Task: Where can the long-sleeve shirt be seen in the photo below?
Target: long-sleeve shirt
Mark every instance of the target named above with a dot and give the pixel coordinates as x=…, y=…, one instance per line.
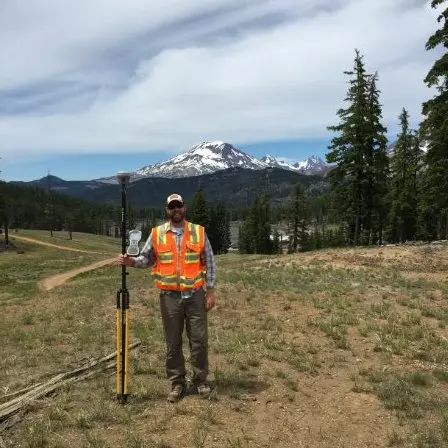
x=147, y=256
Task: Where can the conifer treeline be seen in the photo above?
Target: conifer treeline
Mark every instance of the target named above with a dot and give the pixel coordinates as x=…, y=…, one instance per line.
x=433, y=206
x=403, y=196
x=214, y=217
x=374, y=197
x=35, y=208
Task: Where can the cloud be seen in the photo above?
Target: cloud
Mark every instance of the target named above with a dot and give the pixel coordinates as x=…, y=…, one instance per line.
x=101, y=76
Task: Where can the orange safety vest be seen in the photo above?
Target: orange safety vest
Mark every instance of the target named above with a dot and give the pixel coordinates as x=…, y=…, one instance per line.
x=174, y=270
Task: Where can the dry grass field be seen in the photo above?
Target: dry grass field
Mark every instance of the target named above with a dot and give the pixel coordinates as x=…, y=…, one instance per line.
x=335, y=348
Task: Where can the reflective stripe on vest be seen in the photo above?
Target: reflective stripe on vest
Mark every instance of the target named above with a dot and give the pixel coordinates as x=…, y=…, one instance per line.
x=166, y=272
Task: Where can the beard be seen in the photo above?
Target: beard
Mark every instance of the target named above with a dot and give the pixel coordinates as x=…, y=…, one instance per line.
x=177, y=216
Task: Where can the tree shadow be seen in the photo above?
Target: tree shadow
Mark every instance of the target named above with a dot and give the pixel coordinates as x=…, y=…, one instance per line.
x=10, y=247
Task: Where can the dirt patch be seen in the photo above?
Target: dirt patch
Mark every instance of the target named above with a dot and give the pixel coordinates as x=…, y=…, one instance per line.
x=56, y=280
x=419, y=263
x=43, y=243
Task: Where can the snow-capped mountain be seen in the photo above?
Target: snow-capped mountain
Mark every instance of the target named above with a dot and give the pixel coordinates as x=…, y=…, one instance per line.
x=313, y=165
x=205, y=158
x=277, y=162
x=209, y=157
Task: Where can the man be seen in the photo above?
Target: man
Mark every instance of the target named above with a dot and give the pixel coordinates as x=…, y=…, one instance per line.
x=183, y=267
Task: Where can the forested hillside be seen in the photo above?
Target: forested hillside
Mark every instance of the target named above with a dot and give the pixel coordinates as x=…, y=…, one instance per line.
x=234, y=186
x=35, y=208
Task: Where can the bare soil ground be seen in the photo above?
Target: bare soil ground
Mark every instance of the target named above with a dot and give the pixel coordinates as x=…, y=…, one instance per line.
x=336, y=348
x=58, y=246
x=59, y=279
x=420, y=262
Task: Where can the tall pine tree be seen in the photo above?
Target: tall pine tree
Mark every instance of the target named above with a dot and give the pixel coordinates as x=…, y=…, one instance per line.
x=255, y=233
x=377, y=166
x=248, y=232
x=223, y=221
x=405, y=165
x=198, y=211
x=264, y=243
x=4, y=217
x=434, y=205
x=347, y=149
x=359, y=150
x=298, y=218
x=218, y=230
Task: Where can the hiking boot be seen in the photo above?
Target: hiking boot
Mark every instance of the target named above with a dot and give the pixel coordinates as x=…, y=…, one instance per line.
x=177, y=391
x=203, y=390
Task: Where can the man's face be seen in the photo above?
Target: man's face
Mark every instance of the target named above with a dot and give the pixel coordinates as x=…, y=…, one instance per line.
x=176, y=211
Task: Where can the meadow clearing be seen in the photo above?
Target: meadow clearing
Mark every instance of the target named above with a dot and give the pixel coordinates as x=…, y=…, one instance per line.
x=333, y=348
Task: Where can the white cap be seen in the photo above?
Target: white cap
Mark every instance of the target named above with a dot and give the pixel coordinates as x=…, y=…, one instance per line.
x=174, y=197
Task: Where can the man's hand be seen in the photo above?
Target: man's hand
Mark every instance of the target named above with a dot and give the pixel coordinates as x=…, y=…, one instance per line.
x=125, y=260
x=209, y=299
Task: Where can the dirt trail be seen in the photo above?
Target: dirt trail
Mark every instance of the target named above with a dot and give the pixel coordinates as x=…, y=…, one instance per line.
x=56, y=280
x=43, y=243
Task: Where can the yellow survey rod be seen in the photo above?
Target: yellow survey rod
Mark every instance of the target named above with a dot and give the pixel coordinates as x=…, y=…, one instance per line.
x=122, y=330
x=122, y=324
x=118, y=351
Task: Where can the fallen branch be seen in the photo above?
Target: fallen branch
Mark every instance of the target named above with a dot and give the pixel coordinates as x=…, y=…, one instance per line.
x=18, y=392
x=29, y=394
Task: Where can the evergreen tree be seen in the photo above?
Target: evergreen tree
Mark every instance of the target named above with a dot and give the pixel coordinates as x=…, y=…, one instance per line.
x=263, y=240
x=241, y=239
x=298, y=218
x=276, y=245
x=69, y=224
x=4, y=217
x=434, y=205
x=359, y=150
x=227, y=237
x=223, y=228
x=212, y=229
x=347, y=149
x=250, y=229
x=304, y=238
x=131, y=219
x=294, y=217
x=36, y=208
x=49, y=212
x=255, y=235
x=405, y=164
x=218, y=230
x=198, y=212
x=377, y=167
x=315, y=239
x=146, y=230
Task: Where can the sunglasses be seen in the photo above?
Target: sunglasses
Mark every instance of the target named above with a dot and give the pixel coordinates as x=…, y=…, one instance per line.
x=174, y=205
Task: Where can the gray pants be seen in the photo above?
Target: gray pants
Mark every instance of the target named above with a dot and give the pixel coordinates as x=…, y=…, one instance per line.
x=175, y=311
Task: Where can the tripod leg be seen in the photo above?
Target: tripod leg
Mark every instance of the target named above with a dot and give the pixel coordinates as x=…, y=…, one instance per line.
x=123, y=354
x=123, y=346
x=126, y=354
x=119, y=346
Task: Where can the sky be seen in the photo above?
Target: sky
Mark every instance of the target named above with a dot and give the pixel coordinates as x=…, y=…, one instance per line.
x=92, y=87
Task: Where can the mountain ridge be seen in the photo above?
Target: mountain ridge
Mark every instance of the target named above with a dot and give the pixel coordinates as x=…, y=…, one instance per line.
x=235, y=186
x=211, y=156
